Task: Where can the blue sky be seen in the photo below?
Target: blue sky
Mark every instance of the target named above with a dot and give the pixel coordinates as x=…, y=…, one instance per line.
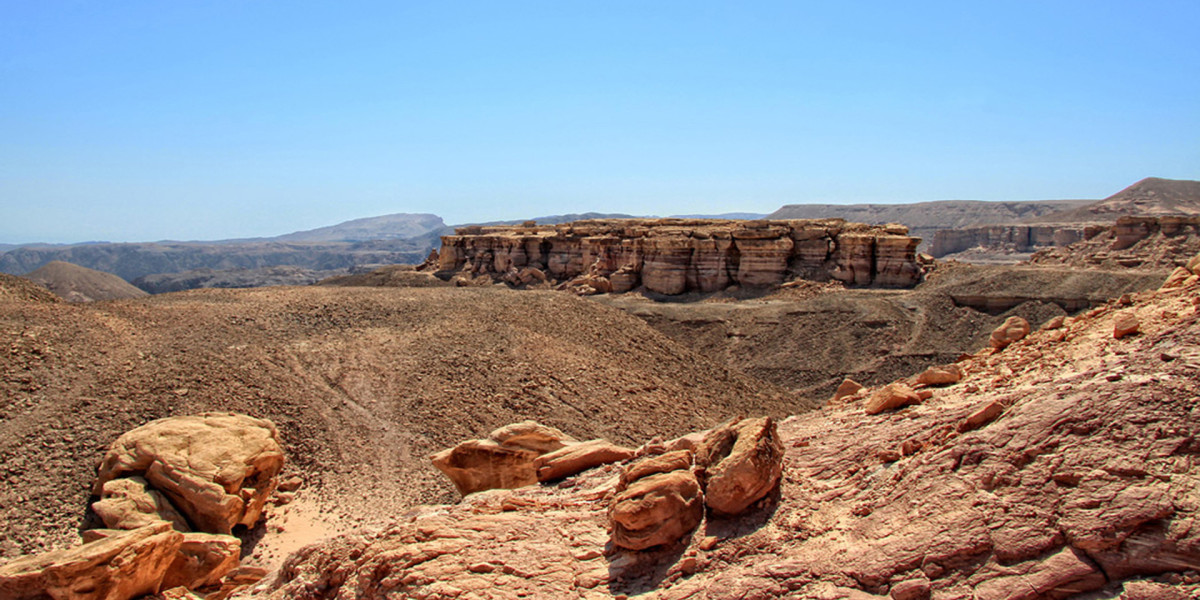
x=134, y=121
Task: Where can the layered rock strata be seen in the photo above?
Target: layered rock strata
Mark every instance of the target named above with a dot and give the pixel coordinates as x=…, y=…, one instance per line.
x=673, y=256
x=1012, y=238
x=1131, y=242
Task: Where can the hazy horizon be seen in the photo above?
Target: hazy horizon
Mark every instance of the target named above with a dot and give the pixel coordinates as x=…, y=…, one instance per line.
x=147, y=121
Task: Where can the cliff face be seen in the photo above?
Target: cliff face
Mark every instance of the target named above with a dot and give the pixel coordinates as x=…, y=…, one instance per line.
x=673, y=256
x=1017, y=238
x=1132, y=242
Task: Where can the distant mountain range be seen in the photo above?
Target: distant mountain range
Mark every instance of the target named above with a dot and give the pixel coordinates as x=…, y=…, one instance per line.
x=402, y=238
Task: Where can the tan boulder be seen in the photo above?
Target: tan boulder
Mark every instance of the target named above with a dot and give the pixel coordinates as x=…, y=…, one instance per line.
x=1124, y=324
x=890, y=397
x=1013, y=329
x=656, y=503
x=848, y=387
x=943, y=375
x=128, y=503
x=739, y=463
x=504, y=460
x=1054, y=323
x=478, y=465
x=203, y=559
x=216, y=468
x=531, y=435
x=123, y=565
x=1176, y=278
x=575, y=458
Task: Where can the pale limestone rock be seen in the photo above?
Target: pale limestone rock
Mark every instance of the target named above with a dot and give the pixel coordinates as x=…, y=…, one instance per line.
x=216, y=468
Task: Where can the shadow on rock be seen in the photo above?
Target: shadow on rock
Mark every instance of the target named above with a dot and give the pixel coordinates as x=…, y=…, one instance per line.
x=633, y=572
x=730, y=527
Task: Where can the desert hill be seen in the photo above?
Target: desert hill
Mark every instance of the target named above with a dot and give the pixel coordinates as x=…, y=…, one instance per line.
x=385, y=227
x=1150, y=197
x=1062, y=466
x=363, y=383
x=74, y=283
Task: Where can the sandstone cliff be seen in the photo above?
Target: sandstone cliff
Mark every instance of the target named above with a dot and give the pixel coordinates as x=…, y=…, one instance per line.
x=1013, y=238
x=1132, y=242
x=673, y=256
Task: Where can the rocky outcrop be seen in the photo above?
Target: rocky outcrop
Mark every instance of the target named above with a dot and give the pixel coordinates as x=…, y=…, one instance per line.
x=1010, y=238
x=217, y=469
x=124, y=565
x=1062, y=466
x=522, y=454
x=1143, y=242
x=673, y=256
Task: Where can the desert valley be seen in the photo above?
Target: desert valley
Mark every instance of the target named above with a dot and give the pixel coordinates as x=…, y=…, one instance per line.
x=993, y=400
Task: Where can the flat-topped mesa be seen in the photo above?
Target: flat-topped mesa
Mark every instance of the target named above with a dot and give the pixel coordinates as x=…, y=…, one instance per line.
x=673, y=256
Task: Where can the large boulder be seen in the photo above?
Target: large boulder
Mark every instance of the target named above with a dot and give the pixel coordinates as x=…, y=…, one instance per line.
x=1013, y=329
x=503, y=461
x=123, y=565
x=217, y=468
x=576, y=458
x=739, y=463
x=658, y=501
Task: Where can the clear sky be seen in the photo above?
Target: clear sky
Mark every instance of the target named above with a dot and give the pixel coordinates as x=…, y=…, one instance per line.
x=135, y=121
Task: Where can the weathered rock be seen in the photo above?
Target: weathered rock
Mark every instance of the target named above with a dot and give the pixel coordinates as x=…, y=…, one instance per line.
x=575, y=458
x=128, y=503
x=943, y=375
x=739, y=463
x=1013, y=329
x=655, y=507
x=477, y=465
x=203, y=559
x=503, y=461
x=216, y=468
x=848, y=387
x=1054, y=323
x=673, y=256
x=1176, y=278
x=891, y=396
x=531, y=435
x=984, y=415
x=123, y=565
x=1126, y=323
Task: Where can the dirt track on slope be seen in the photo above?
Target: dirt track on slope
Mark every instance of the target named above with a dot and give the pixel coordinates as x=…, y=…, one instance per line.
x=363, y=383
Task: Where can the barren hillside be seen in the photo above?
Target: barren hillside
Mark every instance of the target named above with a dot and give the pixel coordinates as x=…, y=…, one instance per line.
x=80, y=284
x=363, y=383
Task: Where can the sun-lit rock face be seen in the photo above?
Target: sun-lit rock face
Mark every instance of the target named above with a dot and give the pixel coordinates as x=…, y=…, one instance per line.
x=674, y=256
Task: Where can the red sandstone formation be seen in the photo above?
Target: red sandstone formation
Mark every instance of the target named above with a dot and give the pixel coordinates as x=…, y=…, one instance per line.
x=1064, y=465
x=673, y=256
